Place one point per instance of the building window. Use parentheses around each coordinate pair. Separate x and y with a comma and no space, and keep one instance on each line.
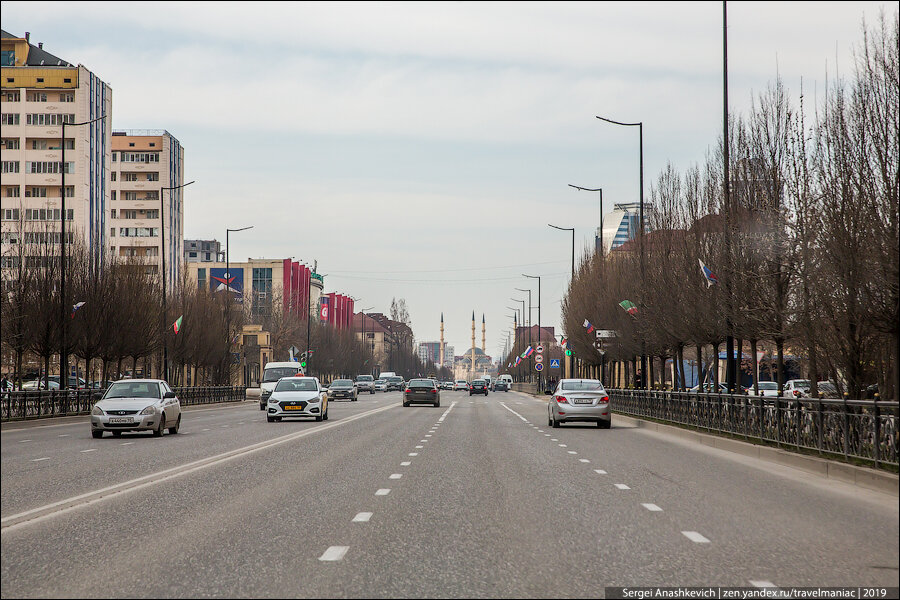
(201,278)
(192,254)
(48,119)
(12,191)
(112,232)
(114,155)
(129,176)
(10,96)
(112,213)
(9,119)
(262,292)
(67,80)
(112,195)
(10,166)
(11,143)
(131,144)
(36,97)
(48,167)
(112,176)
(67,97)
(8,58)
(140,157)
(40,80)
(152,177)
(10,214)
(35,192)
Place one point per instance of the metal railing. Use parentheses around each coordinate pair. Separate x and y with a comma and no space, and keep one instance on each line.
(41,404)
(858,429)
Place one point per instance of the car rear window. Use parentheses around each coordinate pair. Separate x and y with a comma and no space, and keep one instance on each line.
(421,383)
(582,386)
(768,385)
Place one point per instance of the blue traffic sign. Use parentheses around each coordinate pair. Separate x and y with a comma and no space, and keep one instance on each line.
(539,367)
(554,363)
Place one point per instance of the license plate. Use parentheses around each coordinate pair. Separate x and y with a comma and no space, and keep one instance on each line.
(121,420)
(293,408)
(584,401)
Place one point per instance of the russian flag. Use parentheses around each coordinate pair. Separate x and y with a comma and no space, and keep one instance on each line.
(588,326)
(709,275)
(76,307)
(528,352)
(518,360)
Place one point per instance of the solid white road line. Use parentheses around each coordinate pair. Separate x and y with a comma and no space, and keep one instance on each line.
(383,492)
(362,517)
(36,515)
(40,459)
(334,553)
(395,476)
(622,486)
(652,507)
(695,537)
(89,450)
(599,471)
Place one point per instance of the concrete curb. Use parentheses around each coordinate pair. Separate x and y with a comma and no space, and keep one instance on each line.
(864,477)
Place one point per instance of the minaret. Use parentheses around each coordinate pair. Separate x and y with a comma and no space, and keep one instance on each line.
(442,340)
(483,345)
(473,345)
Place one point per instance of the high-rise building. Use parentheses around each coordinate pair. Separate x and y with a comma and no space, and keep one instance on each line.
(203,251)
(146,220)
(619,226)
(40,91)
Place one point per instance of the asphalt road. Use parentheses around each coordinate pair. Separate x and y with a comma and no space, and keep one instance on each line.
(477,498)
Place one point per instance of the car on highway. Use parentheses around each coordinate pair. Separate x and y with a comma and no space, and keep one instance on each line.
(478,386)
(136,405)
(461,384)
(297,397)
(380,385)
(447,385)
(500,385)
(579,400)
(272,372)
(395,382)
(422,390)
(365,383)
(343,389)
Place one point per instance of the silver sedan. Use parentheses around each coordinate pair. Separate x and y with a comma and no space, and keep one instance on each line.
(582,400)
(136,405)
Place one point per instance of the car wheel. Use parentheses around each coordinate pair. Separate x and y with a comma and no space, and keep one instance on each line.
(318,417)
(556,423)
(270,419)
(549,420)
(158,432)
(406,404)
(98,433)
(606,424)
(437,404)
(325,416)
(262,407)
(371,392)
(174,430)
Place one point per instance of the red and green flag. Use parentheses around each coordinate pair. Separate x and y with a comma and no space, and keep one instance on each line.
(629,307)
(176,326)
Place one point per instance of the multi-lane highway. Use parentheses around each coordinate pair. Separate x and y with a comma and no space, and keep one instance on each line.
(475,498)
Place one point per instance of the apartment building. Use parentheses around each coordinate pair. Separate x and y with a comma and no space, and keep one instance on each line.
(203,251)
(146,215)
(38,92)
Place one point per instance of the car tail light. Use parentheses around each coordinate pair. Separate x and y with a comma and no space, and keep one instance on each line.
(604,399)
(408,390)
(561,400)
(434,390)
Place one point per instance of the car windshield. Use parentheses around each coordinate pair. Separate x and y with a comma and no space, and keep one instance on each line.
(365,378)
(341,383)
(826,387)
(582,386)
(380,381)
(133,389)
(295,384)
(802,384)
(395,379)
(422,383)
(768,385)
(275,373)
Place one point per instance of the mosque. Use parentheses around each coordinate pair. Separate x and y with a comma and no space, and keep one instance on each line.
(483,365)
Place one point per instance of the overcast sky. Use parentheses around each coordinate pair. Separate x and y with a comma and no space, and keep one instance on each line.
(419,151)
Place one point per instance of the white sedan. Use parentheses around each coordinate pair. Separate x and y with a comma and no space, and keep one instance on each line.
(136,405)
(297,397)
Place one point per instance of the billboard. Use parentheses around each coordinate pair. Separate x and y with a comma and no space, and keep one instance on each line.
(221,280)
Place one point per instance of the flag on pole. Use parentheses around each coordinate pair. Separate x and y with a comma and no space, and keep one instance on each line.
(177,324)
(518,360)
(629,307)
(587,325)
(528,352)
(76,307)
(709,275)
(564,342)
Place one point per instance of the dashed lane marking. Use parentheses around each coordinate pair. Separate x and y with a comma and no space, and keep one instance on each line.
(599,471)
(63,435)
(622,486)
(383,492)
(89,450)
(334,553)
(695,537)
(652,507)
(405,463)
(395,476)
(584,460)
(762,583)
(23,441)
(572,452)
(362,517)
(127,443)
(413,454)
(40,459)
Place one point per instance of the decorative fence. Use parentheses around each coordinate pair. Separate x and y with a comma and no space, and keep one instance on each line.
(21,405)
(859,429)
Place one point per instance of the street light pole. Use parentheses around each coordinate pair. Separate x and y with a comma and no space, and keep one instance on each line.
(640,126)
(63,304)
(531,360)
(162,252)
(540,333)
(228,298)
(571,281)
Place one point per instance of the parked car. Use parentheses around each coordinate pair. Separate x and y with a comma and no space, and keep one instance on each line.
(136,405)
(797,388)
(709,388)
(461,384)
(827,389)
(365,383)
(478,386)
(298,397)
(767,389)
(500,385)
(40,384)
(380,385)
(422,390)
(74,382)
(343,388)
(583,400)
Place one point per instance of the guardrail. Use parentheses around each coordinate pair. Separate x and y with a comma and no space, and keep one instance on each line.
(23,405)
(859,429)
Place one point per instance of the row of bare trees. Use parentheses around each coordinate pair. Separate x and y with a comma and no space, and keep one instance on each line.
(804,243)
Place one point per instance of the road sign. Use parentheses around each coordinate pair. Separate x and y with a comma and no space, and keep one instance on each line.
(539,366)
(554,363)
(539,358)
(293,350)
(539,349)
(605,334)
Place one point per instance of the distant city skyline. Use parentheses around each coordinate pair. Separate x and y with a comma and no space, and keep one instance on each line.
(419,151)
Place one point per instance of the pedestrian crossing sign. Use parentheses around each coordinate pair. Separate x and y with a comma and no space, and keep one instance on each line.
(554,363)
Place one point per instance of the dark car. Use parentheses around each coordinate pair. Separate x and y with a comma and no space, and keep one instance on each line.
(479,386)
(500,386)
(422,390)
(342,388)
(394,382)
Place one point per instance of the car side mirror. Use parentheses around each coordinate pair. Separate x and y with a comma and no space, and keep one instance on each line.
(168,395)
